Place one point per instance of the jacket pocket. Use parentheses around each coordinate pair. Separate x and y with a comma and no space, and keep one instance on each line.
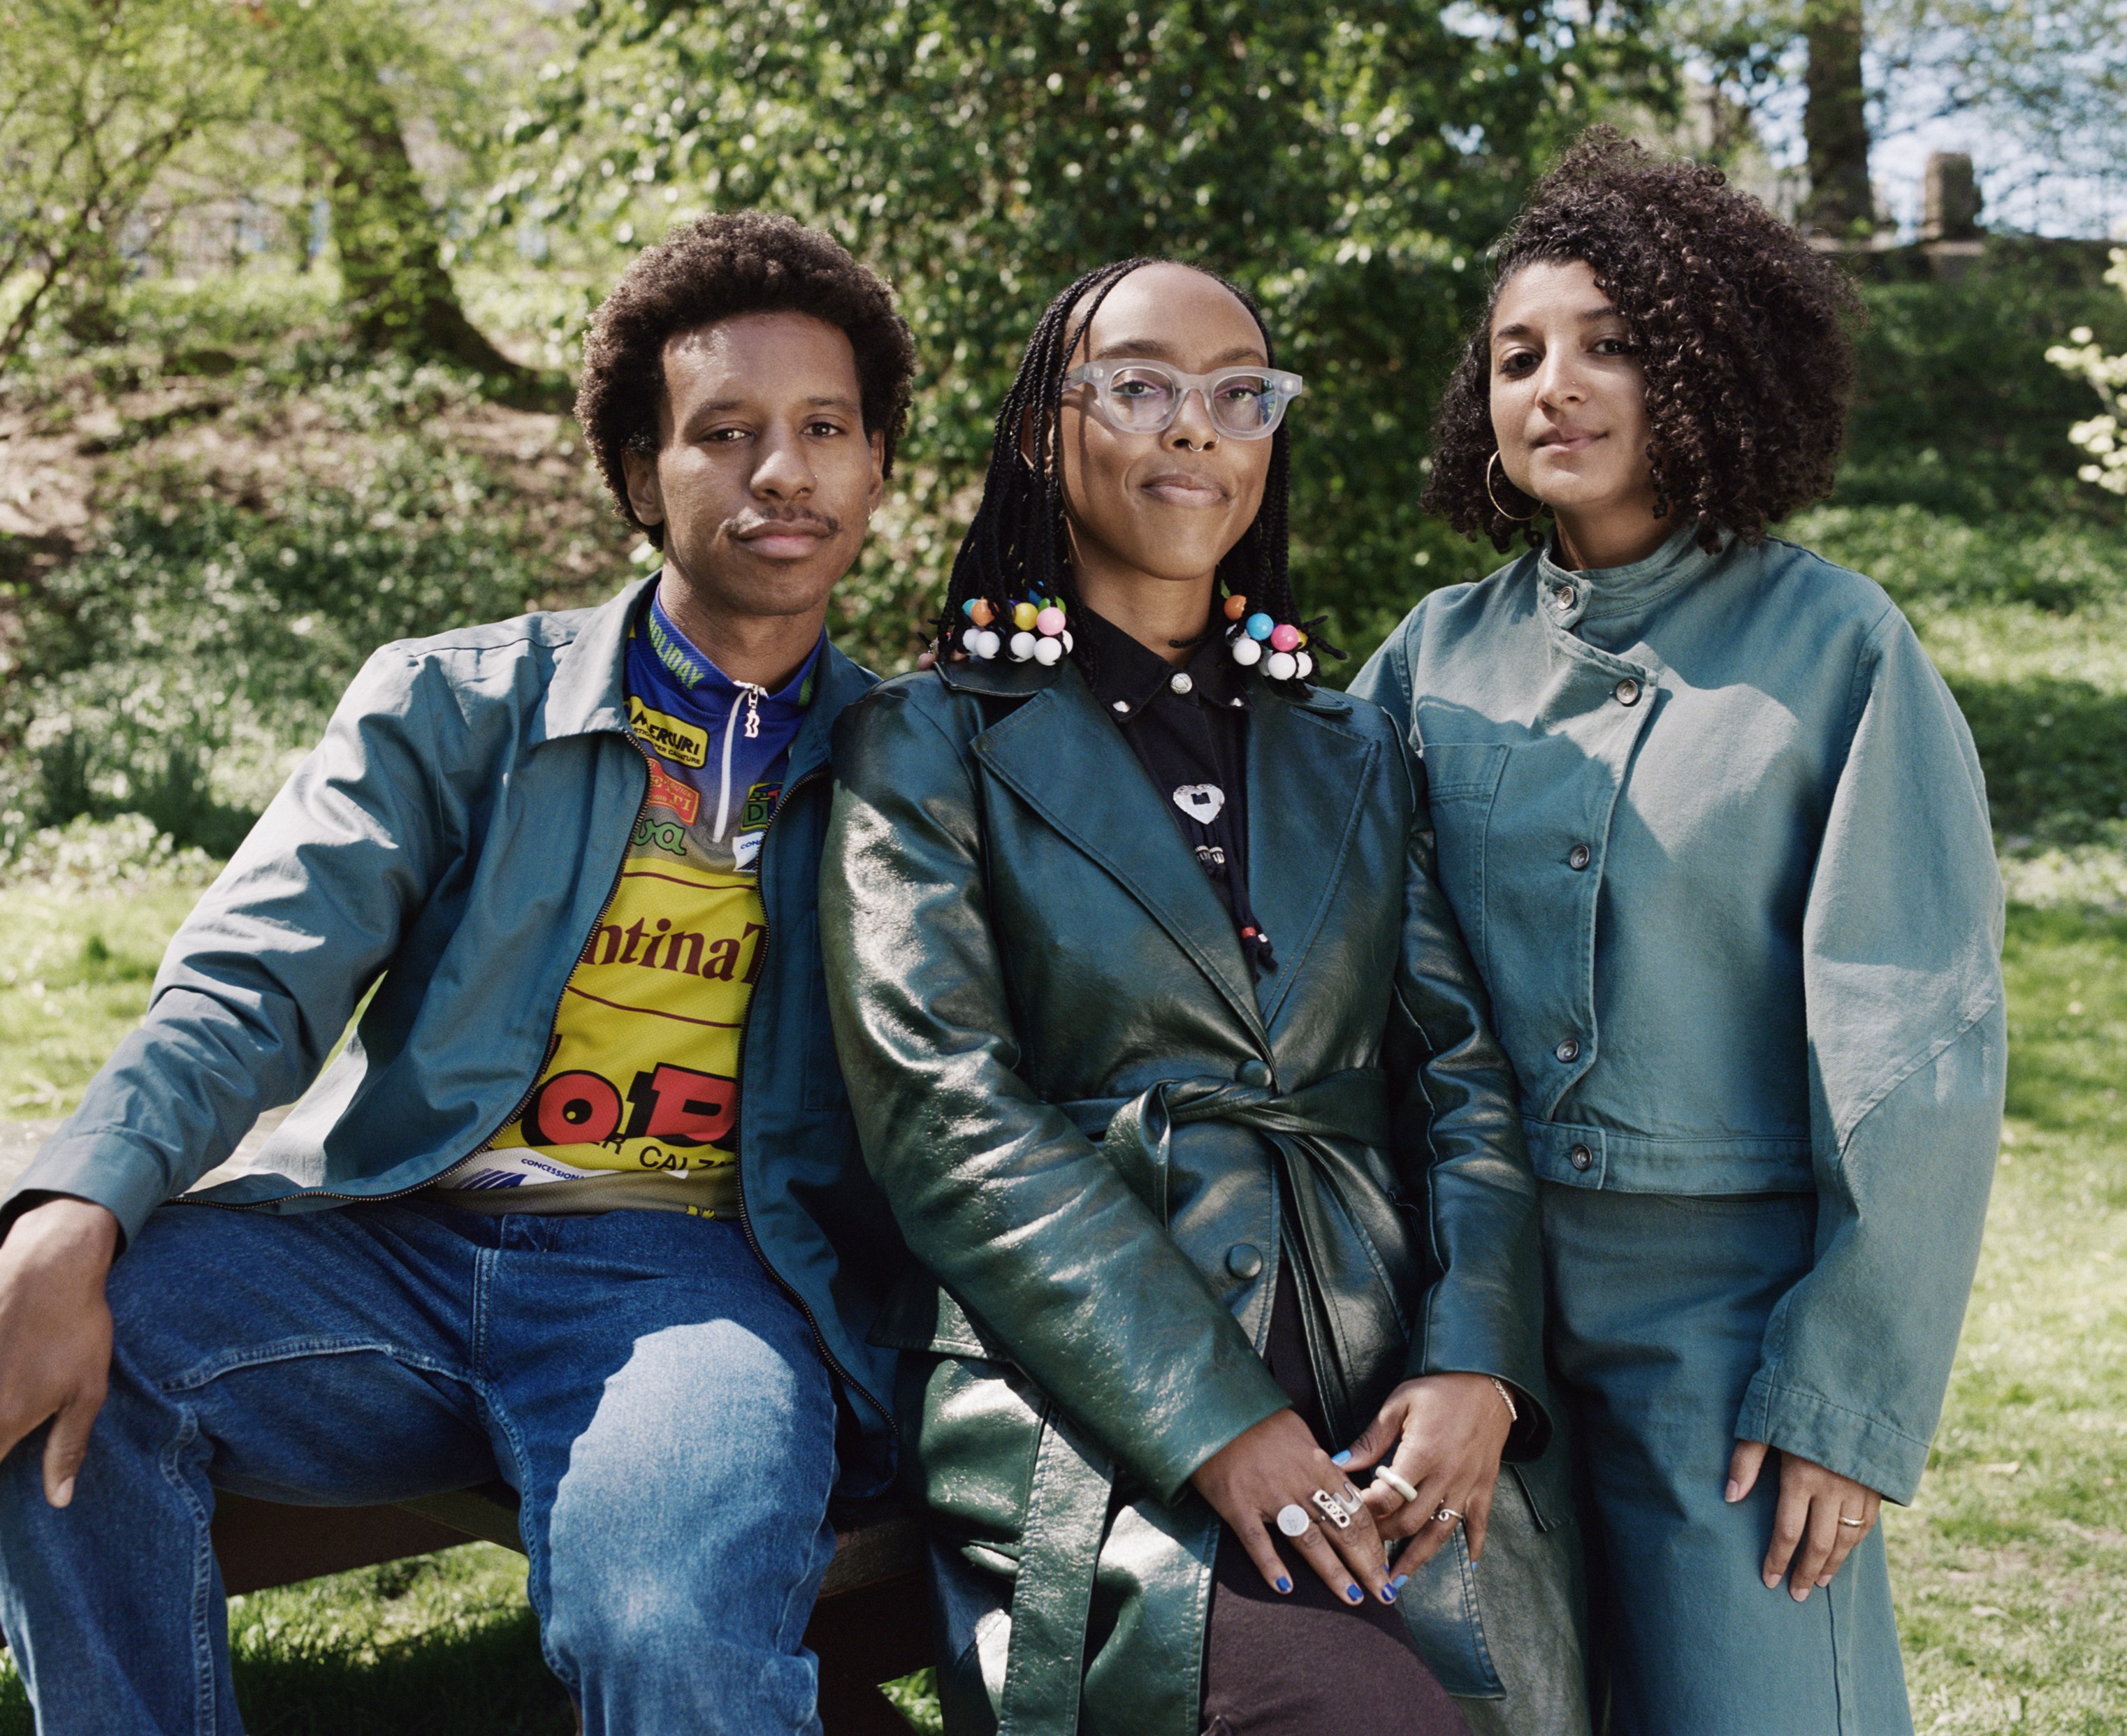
(1462,781)
(1439,1608)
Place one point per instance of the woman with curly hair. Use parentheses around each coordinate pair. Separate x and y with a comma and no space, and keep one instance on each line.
(1717,834)
(1168,1056)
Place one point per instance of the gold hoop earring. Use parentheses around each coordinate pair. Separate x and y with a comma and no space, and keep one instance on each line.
(1494,498)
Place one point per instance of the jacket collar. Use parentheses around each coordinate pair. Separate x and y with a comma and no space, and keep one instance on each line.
(1000,678)
(588,690)
(1569,597)
(1126,677)
(1307,779)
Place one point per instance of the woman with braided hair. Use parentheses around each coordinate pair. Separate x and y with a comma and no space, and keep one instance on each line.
(1718,835)
(1171,1061)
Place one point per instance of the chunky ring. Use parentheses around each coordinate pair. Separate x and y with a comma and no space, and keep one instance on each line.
(1858,1525)
(1445,1515)
(1331,1509)
(1292,1518)
(1388,1474)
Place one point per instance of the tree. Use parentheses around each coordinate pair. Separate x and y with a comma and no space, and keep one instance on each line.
(2104,436)
(2047,78)
(1349,161)
(333,74)
(1836,119)
(96,98)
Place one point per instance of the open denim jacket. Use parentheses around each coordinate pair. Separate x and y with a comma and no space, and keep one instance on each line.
(1719,836)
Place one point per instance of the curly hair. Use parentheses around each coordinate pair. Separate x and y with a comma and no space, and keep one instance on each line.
(1743,328)
(717,268)
(1017,546)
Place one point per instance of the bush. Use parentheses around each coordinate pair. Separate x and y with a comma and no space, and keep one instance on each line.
(1958,409)
(127,854)
(179,667)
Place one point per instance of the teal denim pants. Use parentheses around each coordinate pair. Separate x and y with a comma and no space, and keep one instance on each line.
(1658,1310)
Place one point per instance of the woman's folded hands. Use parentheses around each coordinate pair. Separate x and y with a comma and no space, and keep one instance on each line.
(1272,1484)
(1438,1438)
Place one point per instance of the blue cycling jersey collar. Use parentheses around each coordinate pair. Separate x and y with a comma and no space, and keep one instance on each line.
(694,677)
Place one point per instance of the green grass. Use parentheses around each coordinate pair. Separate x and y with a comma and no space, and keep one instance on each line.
(440,1645)
(74,971)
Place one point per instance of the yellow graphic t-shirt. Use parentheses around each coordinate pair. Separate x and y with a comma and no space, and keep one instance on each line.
(641,1078)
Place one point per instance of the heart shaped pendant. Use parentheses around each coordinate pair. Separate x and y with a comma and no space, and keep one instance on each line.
(1201,802)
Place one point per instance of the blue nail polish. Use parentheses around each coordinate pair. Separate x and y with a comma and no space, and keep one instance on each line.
(1340,1458)
(1284,1584)
(1353,1592)
(1399,1581)
(1388,1592)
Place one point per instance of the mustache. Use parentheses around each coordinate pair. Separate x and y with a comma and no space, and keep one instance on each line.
(748,524)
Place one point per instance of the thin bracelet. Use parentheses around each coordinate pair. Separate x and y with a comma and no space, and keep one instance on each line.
(1506,1398)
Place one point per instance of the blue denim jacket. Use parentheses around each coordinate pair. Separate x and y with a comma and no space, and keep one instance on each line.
(451,843)
(1717,837)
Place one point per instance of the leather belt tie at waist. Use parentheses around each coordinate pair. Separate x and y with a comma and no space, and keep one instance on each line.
(1066,1512)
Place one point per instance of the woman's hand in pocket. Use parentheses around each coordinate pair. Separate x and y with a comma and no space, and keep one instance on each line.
(1274,1465)
(1442,1435)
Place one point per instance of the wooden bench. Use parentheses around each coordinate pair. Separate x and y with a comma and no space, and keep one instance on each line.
(871,1626)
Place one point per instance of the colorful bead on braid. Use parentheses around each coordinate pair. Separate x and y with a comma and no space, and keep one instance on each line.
(1040,632)
(1286,658)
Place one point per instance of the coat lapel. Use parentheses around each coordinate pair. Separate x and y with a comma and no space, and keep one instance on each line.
(1309,774)
(1071,765)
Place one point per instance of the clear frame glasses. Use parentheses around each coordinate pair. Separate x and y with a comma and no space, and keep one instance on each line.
(1146,397)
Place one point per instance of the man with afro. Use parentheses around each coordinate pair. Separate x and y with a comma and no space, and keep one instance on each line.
(578,1205)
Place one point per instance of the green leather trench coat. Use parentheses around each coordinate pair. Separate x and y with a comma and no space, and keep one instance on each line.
(1100,1137)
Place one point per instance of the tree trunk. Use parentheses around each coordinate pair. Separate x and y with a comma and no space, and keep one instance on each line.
(398,295)
(1836,122)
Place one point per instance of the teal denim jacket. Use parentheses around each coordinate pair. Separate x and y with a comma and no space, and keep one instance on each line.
(451,842)
(1717,836)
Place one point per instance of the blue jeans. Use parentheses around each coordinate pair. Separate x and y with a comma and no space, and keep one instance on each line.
(654,1398)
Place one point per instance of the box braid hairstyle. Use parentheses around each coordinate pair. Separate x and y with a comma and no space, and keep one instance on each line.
(1741,326)
(1017,546)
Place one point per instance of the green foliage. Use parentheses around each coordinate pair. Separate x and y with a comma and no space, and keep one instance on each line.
(2023,617)
(1349,160)
(2083,357)
(96,98)
(74,971)
(177,668)
(342,80)
(1959,409)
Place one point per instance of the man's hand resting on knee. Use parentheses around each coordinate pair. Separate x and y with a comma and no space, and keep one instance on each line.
(55,1331)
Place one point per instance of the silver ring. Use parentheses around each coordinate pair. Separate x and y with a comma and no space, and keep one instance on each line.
(1388,1475)
(1859,1524)
(1332,1509)
(1292,1518)
(1445,1515)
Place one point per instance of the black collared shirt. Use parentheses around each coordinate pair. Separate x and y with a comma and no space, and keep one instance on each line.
(1188,728)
